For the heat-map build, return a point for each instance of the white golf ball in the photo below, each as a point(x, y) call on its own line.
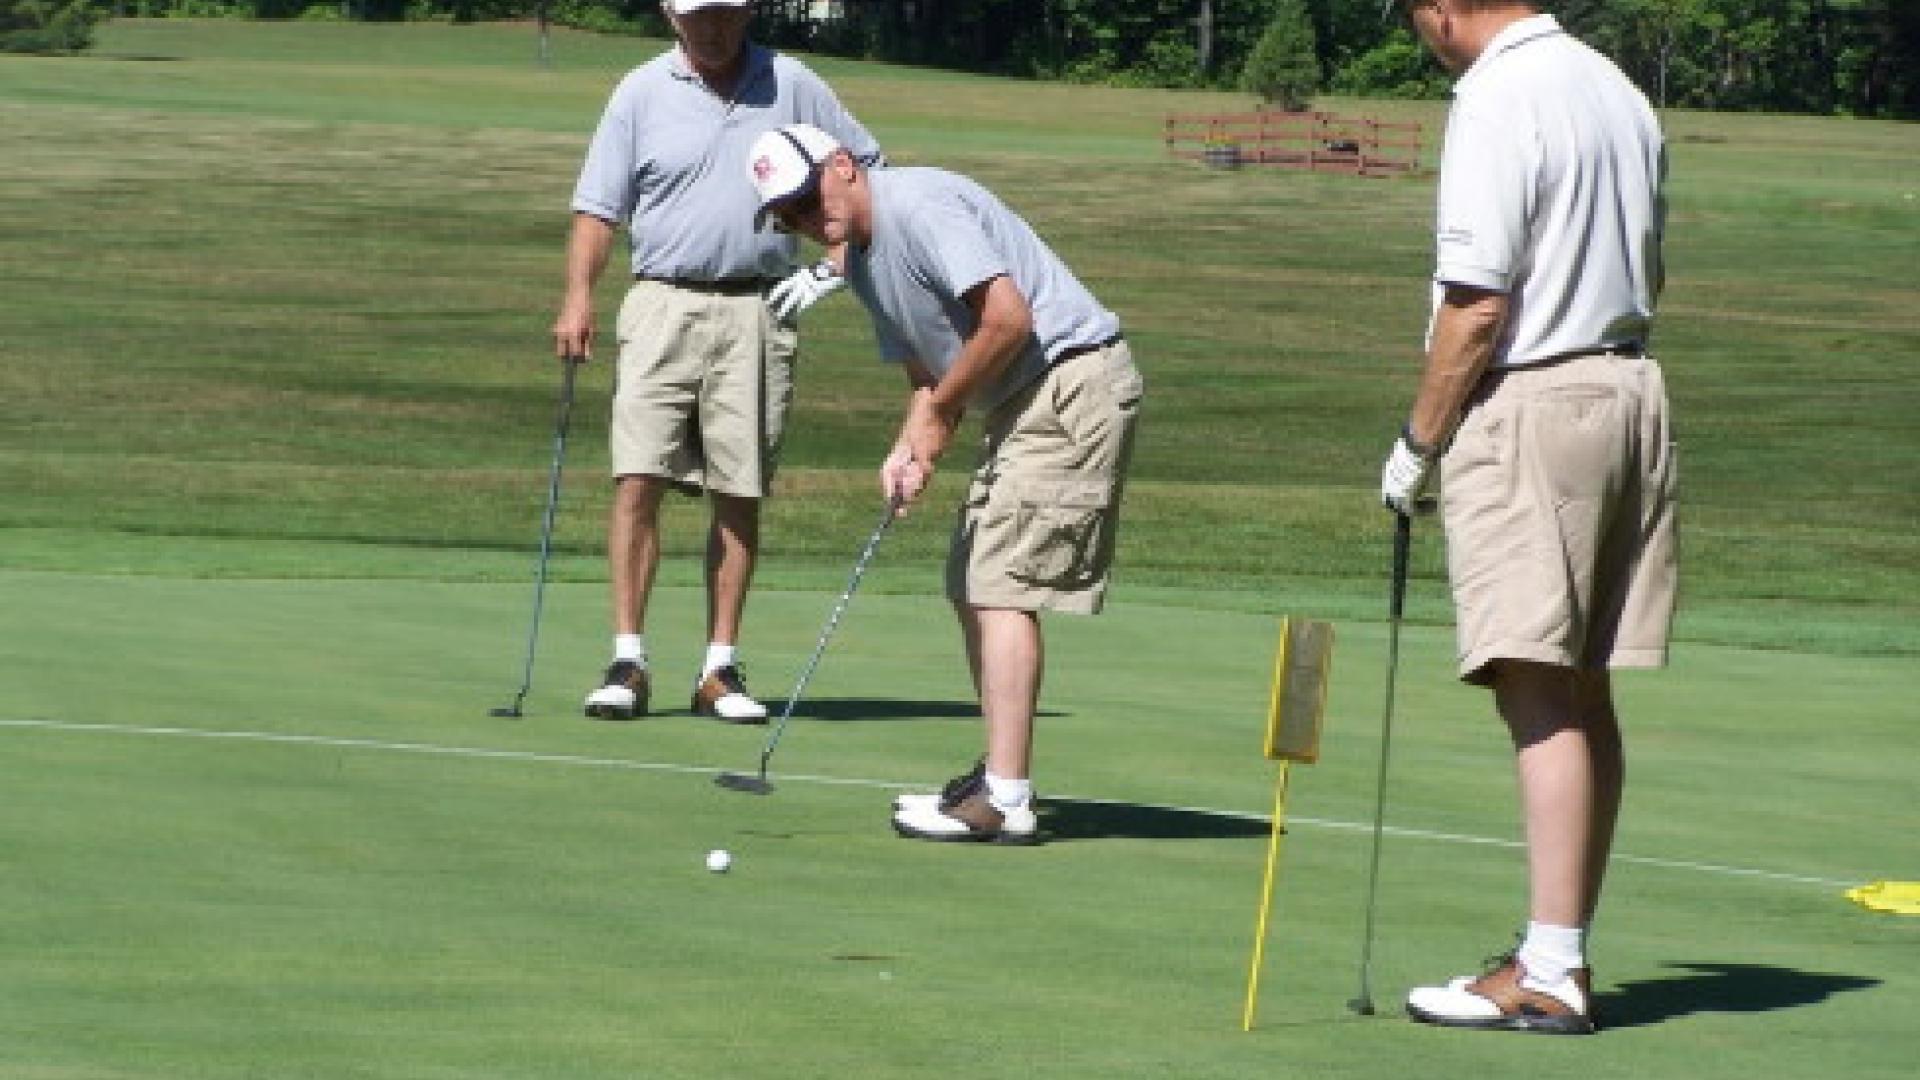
point(719, 860)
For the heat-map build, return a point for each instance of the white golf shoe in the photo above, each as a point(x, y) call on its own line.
point(972, 818)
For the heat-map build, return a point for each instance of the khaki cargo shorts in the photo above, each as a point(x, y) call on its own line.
point(1559, 502)
point(701, 393)
point(1036, 531)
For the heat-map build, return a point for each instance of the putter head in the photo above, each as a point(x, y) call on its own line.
point(752, 785)
point(1361, 1006)
point(506, 712)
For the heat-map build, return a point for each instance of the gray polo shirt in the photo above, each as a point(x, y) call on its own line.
point(937, 234)
point(667, 159)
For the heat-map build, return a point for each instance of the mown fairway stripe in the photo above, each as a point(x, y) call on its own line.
point(703, 770)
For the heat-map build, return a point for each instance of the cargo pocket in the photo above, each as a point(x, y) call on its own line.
point(1061, 524)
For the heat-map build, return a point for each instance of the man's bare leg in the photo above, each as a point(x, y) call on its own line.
point(1011, 660)
point(1571, 770)
point(633, 549)
point(733, 547)
point(633, 554)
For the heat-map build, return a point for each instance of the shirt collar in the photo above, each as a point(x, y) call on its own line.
point(759, 59)
point(1514, 35)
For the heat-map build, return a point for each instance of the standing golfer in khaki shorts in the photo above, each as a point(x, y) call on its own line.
point(1548, 421)
point(706, 343)
point(980, 313)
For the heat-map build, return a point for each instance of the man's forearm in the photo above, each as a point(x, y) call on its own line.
point(588, 248)
point(1466, 330)
point(1005, 325)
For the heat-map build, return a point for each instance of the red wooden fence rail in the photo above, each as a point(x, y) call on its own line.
point(1302, 140)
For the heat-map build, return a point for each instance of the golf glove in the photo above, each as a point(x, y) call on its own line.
point(1404, 479)
point(806, 287)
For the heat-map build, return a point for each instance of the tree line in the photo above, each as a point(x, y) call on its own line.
point(1854, 57)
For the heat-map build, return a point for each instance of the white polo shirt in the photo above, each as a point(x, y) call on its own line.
point(1550, 193)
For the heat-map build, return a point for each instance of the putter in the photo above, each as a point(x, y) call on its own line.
point(1402, 541)
point(569, 367)
point(758, 784)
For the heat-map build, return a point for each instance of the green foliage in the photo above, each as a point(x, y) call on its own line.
point(48, 26)
point(1852, 56)
point(1398, 67)
point(1283, 67)
point(1859, 57)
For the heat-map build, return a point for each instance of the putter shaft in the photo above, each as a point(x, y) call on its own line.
point(760, 785)
point(1396, 604)
point(570, 367)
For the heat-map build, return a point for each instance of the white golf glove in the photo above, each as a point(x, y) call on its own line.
point(1404, 478)
point(806, 287)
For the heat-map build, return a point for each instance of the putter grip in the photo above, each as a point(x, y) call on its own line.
point(1402, 543)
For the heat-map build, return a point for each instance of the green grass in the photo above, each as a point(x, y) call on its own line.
point(300, 896)
point(274, 429)
point(319, 260)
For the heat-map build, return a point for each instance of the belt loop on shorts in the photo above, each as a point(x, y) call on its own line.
point(721, 286)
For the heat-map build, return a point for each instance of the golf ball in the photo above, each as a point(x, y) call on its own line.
point(719, 860)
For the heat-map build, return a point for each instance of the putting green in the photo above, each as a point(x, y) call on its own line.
point(267, 827)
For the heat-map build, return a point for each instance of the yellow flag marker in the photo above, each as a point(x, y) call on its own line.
point(1897, 897)
point(1294, 711)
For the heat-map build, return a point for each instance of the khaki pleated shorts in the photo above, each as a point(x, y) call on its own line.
point(1559, 503)
point(1036, 531)
point(704, 382)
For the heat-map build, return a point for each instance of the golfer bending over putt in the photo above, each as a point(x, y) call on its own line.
point(980, 313)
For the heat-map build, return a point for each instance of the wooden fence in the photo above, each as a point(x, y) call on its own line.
point(1300, 140)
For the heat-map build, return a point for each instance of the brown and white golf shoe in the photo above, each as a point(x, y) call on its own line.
point(973, 817)
point(622, 694)
point(1508, 999)
point(722, 695)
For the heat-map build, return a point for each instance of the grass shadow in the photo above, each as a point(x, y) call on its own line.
point(1720, 988)
point(1092, 819)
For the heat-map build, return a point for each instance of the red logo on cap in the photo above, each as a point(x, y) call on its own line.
point(762, 168)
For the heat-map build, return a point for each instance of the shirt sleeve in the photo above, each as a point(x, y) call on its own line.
point(894, 348)
point(1486, 196)
point(606, 186)
point(824, 111)
point(955, 251)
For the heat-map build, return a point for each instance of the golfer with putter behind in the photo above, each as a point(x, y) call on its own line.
point(706, 341)
point(980, 314)
point(1546, 420)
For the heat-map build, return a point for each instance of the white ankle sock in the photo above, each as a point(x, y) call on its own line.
point(1550, 952)
point(1007, 794)
point(718, 656)
point(630, 647)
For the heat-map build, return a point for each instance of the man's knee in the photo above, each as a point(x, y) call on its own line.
point(1537, 699)
point(638, 496)
point(737, 516)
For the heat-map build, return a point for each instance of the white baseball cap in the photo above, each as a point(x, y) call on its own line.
point(686, 7)
point(785, 163)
